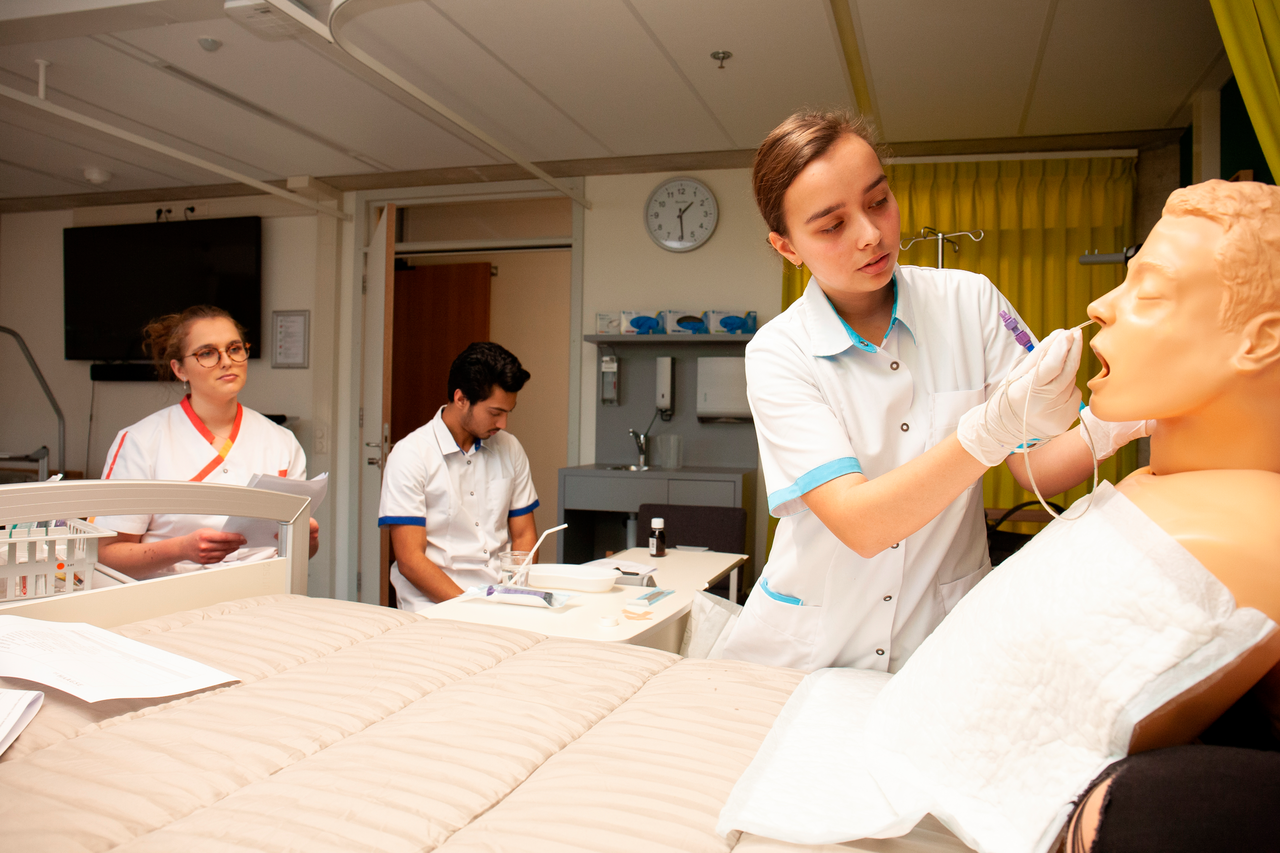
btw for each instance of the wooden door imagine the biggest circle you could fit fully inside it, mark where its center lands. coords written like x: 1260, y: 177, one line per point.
x: 439, y: 310
x: 433, y: 313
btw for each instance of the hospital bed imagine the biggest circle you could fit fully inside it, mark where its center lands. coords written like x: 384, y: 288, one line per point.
x: 356, y: 727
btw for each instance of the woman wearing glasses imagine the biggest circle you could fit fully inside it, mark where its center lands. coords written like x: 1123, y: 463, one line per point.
x: 208, y: 437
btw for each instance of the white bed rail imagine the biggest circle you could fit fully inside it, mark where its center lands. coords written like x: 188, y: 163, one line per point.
x: 84, y: 498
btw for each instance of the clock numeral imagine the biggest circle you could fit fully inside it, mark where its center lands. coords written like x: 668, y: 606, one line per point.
x: 654, y: 214
x: 662, y: 204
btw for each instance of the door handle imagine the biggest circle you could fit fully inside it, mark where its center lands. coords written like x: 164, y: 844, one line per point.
x: 375, y: 460
x: 373, y: 444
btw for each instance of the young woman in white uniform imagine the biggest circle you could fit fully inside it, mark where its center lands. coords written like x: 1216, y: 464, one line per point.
x: 208, y: 437
x: 878, y: 403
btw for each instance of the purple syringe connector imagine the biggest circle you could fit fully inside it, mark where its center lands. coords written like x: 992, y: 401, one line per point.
x: 1023, y: 339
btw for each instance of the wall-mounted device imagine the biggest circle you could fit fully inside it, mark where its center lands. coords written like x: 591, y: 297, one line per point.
x: 722, y: 391
x: 609, y: 380
x: 665, y: 385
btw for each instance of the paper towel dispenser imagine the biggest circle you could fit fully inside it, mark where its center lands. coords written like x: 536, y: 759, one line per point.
x: 722, y: 390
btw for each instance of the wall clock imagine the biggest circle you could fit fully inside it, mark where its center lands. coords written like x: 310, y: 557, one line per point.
x: 681, y: 214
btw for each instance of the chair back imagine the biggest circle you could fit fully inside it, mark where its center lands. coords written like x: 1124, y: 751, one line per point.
x: 719, y: 528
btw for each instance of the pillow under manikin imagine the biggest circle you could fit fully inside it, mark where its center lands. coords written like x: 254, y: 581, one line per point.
x: 1027, y: 690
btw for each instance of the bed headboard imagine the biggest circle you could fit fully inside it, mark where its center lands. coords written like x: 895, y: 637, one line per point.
x: 83, y: 498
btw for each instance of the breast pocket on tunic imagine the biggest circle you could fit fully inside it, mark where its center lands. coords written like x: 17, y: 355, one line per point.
x: 776, y: 629
x: 498, y: 495
x: 946, y: 409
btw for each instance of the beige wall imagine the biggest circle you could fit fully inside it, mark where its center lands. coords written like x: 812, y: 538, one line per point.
x: 529, y: 315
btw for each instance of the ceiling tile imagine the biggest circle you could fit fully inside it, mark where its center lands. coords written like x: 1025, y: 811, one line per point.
x: 419, y: 43
x: 596, y: 62
x: 1121, y: 66
x: 947, y: 70
x: 300, y: 85
x: 20, y: 181
x: 768, y: 77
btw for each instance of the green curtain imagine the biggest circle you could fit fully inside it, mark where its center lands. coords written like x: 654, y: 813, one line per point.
x: 1251, y: 33
x: 1038, y: 217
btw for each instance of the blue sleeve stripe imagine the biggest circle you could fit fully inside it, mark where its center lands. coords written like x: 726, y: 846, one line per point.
x: 530, y: 508
x: 412, y: 520
x: 824, y: 473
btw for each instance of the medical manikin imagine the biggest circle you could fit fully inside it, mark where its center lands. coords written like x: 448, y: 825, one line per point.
x: 1191, y: 339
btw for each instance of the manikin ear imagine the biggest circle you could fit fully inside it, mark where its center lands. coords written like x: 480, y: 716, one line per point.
x: 1259, y: 344
x: 784, y: 248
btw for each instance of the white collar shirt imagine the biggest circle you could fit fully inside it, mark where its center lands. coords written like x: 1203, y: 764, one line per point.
x: 827, y: 403
x: 173, y: 444
x: 464, y: 499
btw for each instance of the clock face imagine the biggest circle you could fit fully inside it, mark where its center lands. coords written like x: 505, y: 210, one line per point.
x: 681, y: 214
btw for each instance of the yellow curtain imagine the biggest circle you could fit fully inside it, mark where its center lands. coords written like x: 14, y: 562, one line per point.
x: 1038, y: 217
x: 1251, y: 33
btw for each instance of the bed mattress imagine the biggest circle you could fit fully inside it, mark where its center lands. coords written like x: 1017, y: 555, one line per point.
x: 356, y: 727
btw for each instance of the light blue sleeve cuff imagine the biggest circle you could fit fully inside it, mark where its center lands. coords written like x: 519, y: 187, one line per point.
x: 807, y: 482
x: 525, y: 510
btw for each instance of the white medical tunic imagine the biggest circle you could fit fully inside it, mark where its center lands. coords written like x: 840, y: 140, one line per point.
x: 463, y: 499
x: 827, y: 403
x: 174, y: 444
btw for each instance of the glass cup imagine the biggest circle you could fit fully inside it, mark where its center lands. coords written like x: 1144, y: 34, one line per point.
x: 667, y: 451
x: 509, y: 562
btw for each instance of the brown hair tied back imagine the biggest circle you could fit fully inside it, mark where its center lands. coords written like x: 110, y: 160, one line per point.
x: 165, y: 339
x: 794, y: 144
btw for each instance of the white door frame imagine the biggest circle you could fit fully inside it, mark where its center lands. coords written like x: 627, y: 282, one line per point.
x: 356, y: 538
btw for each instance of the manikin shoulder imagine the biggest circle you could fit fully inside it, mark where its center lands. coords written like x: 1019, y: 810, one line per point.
x: 1226, y: 519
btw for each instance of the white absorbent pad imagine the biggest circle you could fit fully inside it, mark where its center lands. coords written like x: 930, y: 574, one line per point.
x: 1027, y: 690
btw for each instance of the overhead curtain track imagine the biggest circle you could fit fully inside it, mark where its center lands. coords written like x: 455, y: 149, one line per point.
x: 342, y: 12
x: 159, y: 147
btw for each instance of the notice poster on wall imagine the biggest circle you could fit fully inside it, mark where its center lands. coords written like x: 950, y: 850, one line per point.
x: 290, y: 338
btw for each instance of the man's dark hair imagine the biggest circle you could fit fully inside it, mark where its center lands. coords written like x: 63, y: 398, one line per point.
x: 481, y: 366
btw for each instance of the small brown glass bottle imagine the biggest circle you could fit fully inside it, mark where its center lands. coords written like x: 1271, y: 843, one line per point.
x: 658, y: 539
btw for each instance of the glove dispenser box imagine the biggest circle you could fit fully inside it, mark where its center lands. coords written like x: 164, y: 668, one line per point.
x: 722, y: 391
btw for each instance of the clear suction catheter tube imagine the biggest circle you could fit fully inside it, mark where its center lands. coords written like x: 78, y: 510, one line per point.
x: 1028, y: 442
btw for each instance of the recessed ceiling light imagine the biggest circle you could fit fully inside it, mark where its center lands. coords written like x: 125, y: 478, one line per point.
x: 209, y: 44
x: 96, y: 176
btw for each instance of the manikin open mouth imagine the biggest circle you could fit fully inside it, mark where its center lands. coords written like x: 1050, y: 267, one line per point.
x: 1106, y: 368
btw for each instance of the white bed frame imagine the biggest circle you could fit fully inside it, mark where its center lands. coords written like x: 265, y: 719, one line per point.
x: 110, y: 606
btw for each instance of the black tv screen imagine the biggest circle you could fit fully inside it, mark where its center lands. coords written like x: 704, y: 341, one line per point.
x: 117, y: 278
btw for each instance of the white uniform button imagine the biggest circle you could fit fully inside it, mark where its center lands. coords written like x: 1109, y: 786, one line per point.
x: 895, y: 544
x: 468, y: 461
x: 225, y: 471
x: 477, y: 524
x: 879, y: 651
x: 473, y: 494
x: 893, y: 365
x: 906, y: 427
x: 886, y: 598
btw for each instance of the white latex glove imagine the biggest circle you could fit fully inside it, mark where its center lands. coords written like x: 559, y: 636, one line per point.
x: 1043, y: 385
x: 1110, y: 436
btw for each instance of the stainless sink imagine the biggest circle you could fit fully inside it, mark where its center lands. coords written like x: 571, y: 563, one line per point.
x: 626, y: 467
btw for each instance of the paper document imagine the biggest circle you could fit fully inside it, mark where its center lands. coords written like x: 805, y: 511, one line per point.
x: 17, y: 708
x: 261, y: 533
x: 625, y: 566
x: 95, y: 664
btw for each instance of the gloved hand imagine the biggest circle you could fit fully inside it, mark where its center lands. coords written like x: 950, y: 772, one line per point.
x: 1043, y: 385
x: 1110, y: 436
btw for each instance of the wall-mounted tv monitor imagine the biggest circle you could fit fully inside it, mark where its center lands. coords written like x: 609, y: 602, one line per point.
x: 117, y: 278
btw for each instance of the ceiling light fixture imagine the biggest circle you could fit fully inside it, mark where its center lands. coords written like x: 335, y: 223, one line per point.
x: 209, y: 44
x: 96, y: 176
x: 720, y: 56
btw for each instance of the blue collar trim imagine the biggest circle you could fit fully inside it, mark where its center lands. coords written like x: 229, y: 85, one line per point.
x: 861, y: 342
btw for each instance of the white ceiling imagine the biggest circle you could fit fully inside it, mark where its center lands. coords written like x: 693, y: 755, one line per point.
x: 568, y: 80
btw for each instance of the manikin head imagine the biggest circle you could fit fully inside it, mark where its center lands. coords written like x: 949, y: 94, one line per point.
x: 483, y: 382
x: 1191, y: 338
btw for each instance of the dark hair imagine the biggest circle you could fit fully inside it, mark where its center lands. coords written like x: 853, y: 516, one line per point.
x: 794, y: 144
x: 481, y: 366
x: 165, y: 339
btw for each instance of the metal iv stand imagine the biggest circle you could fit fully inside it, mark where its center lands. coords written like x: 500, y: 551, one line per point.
x: 40, y: 456
x: 927, y: 233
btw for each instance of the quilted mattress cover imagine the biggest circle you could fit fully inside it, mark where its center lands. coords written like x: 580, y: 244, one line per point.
x: 363, y: 728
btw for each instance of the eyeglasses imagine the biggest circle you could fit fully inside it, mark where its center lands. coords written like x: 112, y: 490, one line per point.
x: 210, y: 356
